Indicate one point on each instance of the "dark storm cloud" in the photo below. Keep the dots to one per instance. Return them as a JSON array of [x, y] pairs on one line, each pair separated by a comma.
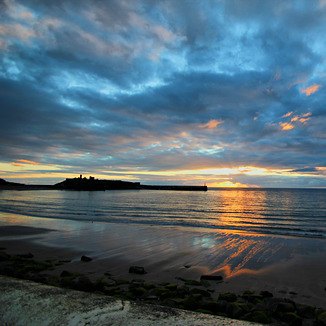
[[164, 85]]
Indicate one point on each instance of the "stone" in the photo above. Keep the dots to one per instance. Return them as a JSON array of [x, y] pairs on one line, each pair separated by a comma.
[[205, 283], [100, 284], [215, 306], [137, 270], [27, 256], [192, 282], [203, 293], [138, 292], [66, 274], [149, 286], [292, 319], [121, 282], [306, 311], [161, 293], [68, 282], [4, 256], [266, 294], [251, 296], [191, 303], [227, 296], [212, 277], [86, 259], [171, 286], [285, 307], [84, 284], [321, 319], [257, 317]]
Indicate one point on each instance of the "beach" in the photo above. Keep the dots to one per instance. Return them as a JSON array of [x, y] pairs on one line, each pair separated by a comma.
[[296, 270]]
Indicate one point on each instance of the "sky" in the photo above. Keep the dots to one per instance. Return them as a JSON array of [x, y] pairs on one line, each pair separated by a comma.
[[215, 92]]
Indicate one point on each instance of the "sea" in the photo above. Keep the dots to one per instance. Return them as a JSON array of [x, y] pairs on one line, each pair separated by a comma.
[[272, 239], [283, 212]]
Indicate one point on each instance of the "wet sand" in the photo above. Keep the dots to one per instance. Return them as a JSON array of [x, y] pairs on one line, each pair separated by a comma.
[[292, 268]]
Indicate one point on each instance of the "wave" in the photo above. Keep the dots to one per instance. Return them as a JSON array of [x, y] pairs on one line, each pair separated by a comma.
[[178, 222], [300, 215]]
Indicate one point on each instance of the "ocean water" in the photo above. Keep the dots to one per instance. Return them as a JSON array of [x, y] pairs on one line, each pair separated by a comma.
[[272, 239], [283, 212]]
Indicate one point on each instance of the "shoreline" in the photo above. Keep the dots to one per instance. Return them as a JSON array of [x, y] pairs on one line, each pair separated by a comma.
[[284, 279], [252, 296]]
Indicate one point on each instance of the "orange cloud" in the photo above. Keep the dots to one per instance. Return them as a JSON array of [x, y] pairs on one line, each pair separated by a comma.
[[28, 162], [17, 164], [303, 118], [287, 115], [311, 89], [286, 125], [211, 124]]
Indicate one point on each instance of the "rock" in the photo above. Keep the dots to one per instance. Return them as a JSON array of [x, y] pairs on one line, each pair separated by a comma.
[[205, 283], [212, 277], [251, 296], [161, 293], [68, 282], [292, 319], [215, 306], [136, 283], [66, 274], [227, 296], [191, 303], [28, 256], [266, 294], [171, 286], [86, 259], [4, 256], [203, 293], [237, 309], [257, 317], [121, 282], [112, 290], [100, 284], [285, 307], [321, 319], [192, 282], [84, 284], [149, 286], [138, 292], [305, 311], [151, 298], [137, 270], [182, 291]]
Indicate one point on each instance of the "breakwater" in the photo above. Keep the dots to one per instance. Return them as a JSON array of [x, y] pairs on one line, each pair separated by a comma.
[[182, 188]]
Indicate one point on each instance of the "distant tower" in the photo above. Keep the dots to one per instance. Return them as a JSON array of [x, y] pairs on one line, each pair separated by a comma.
[[81, 176]]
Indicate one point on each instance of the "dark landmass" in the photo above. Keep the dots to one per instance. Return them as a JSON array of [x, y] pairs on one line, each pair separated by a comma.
[[5, 185], [94, 184], [187, 188]]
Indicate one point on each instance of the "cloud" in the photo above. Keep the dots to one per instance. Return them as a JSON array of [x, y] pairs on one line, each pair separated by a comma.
[[309, 169], [287, 114], [286, 126], [163, 86], [28, 162], [311, 89], [211, 124]]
